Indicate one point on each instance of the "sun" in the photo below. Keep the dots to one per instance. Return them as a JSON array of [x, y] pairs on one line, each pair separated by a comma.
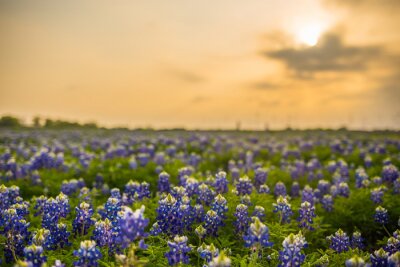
[[309, 35]]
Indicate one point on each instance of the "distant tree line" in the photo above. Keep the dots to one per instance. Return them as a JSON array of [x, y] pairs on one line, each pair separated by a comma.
[[14, 122]]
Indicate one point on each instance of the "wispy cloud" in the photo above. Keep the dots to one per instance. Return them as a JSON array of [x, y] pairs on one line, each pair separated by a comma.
[[330, 54]]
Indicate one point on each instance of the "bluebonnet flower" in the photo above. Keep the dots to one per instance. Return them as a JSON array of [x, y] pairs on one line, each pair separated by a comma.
[[259, 212], [192, 186], [183, 174], [360, 177], [280, 189], [111, 209], [339, 241], [260, 177], [264, 189], [306, 215], [207, 252], [83, 219], [235, 174], [220, 261], [115, 193], [220, 206], [390, 173], [63, 205], [307, 195], [343, 189], [242, 219], [15, 230], [198, 212], [392, 245], [39, 206], [131, 226], [4, 198], [244, 186], [221, 183], [381, 215], [104, 234], [212, 222], [40, 237], [178, 192], [88, 254], [70, 187], [200, 231], [163, 182], [257, 234], [377, 194], [327, 202], [291, 255], [283, 207], [34, 254], [379, 258], [58, 237], [394, 260], [396, 186], [295, 191], [324, 187], [357, 241], [178, 251], [377, 180], [206, 195], [355, 261], [84, 195], [246, 200]]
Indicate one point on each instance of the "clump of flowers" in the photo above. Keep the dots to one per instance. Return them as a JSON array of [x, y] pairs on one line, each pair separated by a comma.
[[34, 255], [244, 186], [377, 194], [221, 183], [260, 177], [283, 208], [88, 254], [257, 234], [379, 258], [381, 215], [163, 182], [339, 242], [292, 255], [306, 215], [259, 212], [355, 261], [220, 261], [357, 241], [208, 252], [280, 189], [178, 250], [327, 203], [212, 222], [131, 225], [83, 219], [220, 206], [242, 218]]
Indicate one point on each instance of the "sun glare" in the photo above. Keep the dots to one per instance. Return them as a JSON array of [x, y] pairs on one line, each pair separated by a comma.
[[309, 35]]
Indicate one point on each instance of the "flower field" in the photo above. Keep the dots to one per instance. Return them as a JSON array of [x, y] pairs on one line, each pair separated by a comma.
[[187, 198]]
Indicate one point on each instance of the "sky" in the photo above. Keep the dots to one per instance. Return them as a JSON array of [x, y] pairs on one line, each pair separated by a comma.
[[203, 64]]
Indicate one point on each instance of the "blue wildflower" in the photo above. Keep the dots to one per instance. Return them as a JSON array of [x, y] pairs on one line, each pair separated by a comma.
[[88, 254], [178, 251], [291, 255]]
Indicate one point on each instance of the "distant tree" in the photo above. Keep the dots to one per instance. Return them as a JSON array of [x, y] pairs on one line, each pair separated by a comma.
[[9, 121], [37, 122]]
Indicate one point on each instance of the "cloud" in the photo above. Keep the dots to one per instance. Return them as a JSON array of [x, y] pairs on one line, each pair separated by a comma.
[[374, 5], [330, 54], [265, 86], [186, 76]]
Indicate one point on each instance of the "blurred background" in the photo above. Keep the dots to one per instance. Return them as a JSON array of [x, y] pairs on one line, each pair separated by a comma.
[[223, 64]]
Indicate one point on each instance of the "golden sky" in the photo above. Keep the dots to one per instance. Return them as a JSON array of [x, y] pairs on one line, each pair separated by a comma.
[[203, 64]]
